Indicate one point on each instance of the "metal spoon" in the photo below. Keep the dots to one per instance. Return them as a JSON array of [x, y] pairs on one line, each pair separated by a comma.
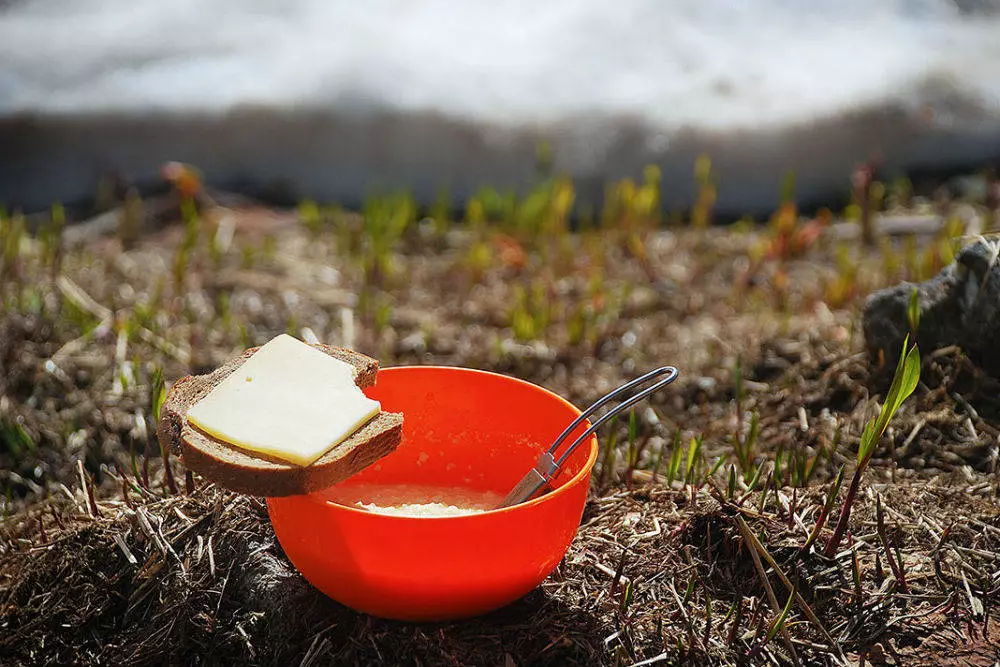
[[548, 465]]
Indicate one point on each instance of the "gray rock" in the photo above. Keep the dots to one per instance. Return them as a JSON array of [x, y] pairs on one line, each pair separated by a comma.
[[960, 306]]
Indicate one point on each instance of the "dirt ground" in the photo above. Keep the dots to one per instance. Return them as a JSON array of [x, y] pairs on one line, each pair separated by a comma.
[[101, 562]]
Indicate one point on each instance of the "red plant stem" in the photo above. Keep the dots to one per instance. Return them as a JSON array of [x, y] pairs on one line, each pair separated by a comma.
[[897, 568], [167, 471], [737, 617], [820, 522], [125, 496], [845, 515], [91, 500]]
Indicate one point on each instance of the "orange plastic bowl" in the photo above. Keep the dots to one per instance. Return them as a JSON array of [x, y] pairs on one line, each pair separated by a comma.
[[461, 428]]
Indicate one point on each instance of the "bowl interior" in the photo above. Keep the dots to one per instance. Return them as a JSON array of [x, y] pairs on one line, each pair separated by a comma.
[[468, 429]]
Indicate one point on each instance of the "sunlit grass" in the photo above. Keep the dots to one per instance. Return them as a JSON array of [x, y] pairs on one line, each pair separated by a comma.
[[529, 243]]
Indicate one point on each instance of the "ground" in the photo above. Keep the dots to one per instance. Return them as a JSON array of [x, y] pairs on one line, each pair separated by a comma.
[[700, 517]]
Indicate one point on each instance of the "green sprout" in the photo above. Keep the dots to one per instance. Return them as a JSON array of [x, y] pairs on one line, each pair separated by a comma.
[[157, 394], [673, 468], [913, 311], [903, 383], [701, 215], [779, 622], [386, 220], [130, 220], [310, 216], [693, 460], [440, 210]]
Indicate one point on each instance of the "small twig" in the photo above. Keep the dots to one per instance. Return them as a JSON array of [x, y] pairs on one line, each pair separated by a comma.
[[125, 550], [914, 432], [618, 573], [965, 405], [125, 496], [85, 302], [147, 528], [651, 661], [972, 429], [824, 513], [975, 604], [765, 582], [347, 326], [69, 494], [657, 529], [81, 299], [121, 350], [211, 557], [608, 571], [222, 593], [168, 472], [165, 346], [166, 543], [737, 617], [145, 470], [683, 611], [92, 508], [806, 609], [897, 568], [55, 516], [314, 651], [859, 592]]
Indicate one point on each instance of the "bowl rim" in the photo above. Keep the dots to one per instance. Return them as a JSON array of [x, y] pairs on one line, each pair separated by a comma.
[[585, 471]]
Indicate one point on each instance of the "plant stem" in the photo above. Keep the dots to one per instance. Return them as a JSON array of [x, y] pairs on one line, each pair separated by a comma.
[[845, 515]]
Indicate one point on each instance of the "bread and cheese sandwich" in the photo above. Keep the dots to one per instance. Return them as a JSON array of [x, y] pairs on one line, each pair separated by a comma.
[[282, 419]]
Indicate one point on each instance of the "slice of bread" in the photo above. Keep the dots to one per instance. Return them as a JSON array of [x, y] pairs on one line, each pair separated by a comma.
[[256, 474]]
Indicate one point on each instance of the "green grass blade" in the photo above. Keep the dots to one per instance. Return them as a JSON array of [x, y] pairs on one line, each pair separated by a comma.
[[811, 467], [777, 461], [750, 444], [719, 461], [756, 475], [675, 459], [694, 449], [913, 311], [158, 395], [779, 622], [904, 382], [738, 383], [690, 589]]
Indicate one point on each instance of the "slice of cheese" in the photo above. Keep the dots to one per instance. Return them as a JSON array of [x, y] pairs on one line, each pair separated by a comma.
[[288, 400]]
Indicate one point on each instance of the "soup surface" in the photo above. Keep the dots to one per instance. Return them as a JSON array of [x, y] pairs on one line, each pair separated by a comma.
[[414, 499]]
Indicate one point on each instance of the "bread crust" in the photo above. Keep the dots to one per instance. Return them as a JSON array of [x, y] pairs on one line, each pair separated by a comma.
[[257, 475]]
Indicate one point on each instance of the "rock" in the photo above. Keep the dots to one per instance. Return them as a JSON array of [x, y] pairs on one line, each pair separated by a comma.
[[960, 306]]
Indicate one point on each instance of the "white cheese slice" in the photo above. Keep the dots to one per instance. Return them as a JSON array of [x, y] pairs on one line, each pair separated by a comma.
[[288, 400]]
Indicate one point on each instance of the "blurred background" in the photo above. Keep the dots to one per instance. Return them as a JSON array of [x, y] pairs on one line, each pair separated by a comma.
[[334, 100]]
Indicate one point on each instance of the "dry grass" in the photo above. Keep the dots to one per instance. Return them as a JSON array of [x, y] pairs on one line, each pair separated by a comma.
[[200, 578]]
